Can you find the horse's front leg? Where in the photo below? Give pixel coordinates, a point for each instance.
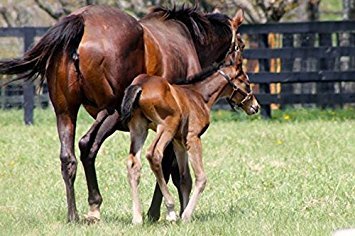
(194, 151)
(89, 150)
(154, 156)
(66, 131)
(138, 127)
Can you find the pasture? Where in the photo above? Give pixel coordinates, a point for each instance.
(293, 175)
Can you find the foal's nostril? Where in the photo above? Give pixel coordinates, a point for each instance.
(256, 108)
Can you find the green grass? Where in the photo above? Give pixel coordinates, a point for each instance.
(293, 175)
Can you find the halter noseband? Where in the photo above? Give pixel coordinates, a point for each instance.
(247, 96)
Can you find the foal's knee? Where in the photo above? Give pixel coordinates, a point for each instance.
(133, 168)
(154, 159)
(201, 182)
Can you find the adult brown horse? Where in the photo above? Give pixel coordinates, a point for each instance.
(179, 113)
(92, 55)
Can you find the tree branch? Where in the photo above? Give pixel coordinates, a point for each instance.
(54, 14)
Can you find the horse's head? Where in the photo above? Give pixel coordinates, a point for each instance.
(240, 92)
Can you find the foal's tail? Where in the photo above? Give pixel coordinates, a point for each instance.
(64, 37)
(130, 102)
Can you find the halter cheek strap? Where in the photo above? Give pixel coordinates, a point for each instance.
(247, 96)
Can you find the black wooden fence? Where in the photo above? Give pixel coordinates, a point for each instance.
(318, 43)
(26, 94)
(326, 45)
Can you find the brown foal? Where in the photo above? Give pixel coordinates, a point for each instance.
(179, 113)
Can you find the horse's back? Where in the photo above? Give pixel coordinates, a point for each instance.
(111, 53)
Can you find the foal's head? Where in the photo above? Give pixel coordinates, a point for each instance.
(239, 90)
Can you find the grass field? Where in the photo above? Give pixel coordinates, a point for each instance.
(293, 175)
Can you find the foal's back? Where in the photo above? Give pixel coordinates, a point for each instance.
(160, 99)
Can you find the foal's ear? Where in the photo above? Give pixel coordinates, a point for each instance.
(238, 18)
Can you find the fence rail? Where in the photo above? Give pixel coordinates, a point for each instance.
(309, 55)
(27, 97)
(318, 41)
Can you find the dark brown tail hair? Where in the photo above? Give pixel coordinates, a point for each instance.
(64, 37)
(130, 102)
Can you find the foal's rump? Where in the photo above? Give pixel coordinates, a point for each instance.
(153, 95)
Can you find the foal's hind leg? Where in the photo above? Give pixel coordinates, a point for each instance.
(155, 155)
(88, 156)
(138, 127)
(167, 166)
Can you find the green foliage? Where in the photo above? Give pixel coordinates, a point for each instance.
(286, 176)
(331, 9)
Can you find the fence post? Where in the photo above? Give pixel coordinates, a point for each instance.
(28, 88)
(286, 66)
(264, 66)
(324, 65)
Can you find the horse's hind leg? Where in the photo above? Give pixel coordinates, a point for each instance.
(66, 103)
(88, 156)
(182, 169)
(66, 131)
(87, 140)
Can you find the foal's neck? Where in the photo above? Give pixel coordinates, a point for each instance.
(214, 87)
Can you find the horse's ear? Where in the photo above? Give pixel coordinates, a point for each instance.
(238, 18)
(216, 10)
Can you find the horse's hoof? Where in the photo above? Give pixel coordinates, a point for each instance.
(185, 218)
(73, 219)
(171, 216)
(153, 217)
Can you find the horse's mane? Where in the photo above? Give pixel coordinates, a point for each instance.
(199, 24)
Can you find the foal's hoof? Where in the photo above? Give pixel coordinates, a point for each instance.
(137, 220)
(91, 220)
(92, 217)
(171, 216)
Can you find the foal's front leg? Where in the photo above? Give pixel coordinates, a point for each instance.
(138, 127)
(155, 156)
(194, 150)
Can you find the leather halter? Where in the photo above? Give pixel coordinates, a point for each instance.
(236, 89)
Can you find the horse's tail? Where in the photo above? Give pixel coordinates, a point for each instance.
(64, 37)
(130, 102)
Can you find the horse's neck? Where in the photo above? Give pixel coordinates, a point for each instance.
(214, 51)
(168, 43)
(213, 87)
